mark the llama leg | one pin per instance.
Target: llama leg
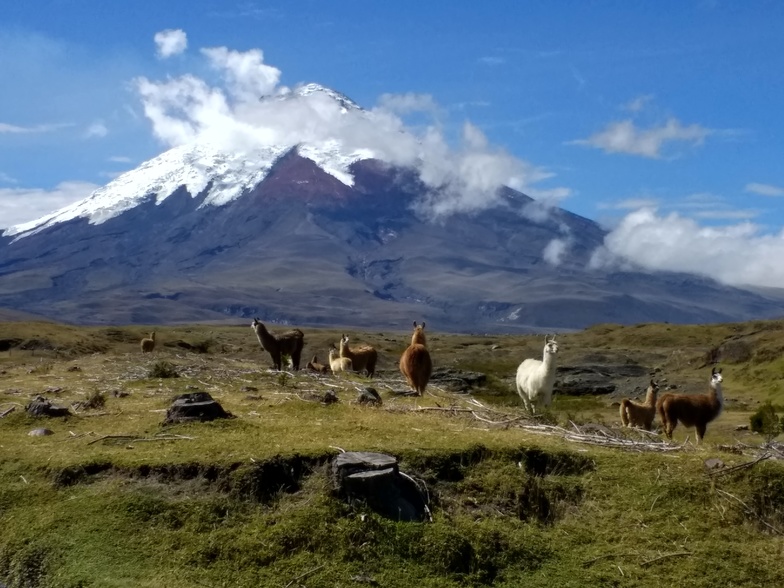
(276, 360)
(700, 431)
(295, 358)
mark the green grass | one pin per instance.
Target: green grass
(248, 502)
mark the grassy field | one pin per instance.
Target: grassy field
(114, 498)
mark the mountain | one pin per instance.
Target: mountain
(310, 235)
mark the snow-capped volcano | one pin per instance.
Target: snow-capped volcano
(304, 208)
(220, 175)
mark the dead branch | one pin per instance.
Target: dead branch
(308, 573)
(665, 556)
(749, 510)
(743, 466)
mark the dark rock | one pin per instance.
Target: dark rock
(594, 378)
(249, 389)
(7, 344)
(197, 406)
(458, 380)
(375, 480)
(74, 368)
(331, 398)
(369, 396)
(41, 407)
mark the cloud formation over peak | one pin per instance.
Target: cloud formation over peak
(249, 109)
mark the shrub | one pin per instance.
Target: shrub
(163, 369)
(766, 422)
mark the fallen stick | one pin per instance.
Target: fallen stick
(665, 556)
(308, 573)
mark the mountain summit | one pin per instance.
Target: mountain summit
(329, 232)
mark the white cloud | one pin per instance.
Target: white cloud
(407, 103)
(170, 42)
(555, 250)
(639, 103)
(120, 159)
(96, 129)
(764, 189)
(625, 137)
(629, 204)
(739, 254)
(249, 109)
(6, 179)
(20, 205)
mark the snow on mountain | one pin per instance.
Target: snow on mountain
(225, 175)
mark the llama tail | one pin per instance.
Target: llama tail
(625, 412)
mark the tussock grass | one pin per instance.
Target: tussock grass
(104, 501)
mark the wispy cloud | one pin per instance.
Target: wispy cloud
(625, 137)
(171, 42)
(96, 129)
(492, 61)
(739, 254)
(764, 189)
(19, 205)
(638, 104)
(629, 204)
(408, 103)
(6, 179)
(120, 159)
(42, 128)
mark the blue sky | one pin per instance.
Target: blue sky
(663, 120)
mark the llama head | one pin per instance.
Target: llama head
(344, 339)
(419, 334)
(550, 346)
(716, 377)
(333, 352)
(255, 323)
(653, 387)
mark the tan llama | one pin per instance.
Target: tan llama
(148, 343)
(636, 414)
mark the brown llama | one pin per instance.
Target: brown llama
(415, 363)
(314, 365)
(148, 343)
(337, 363)
(362, 358)
(694, 410)
(288, 343)
(635, 414)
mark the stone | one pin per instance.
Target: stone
(369, 396)
(458, 380)
(374, 479)
(40, 432)
(41, 407)
(196, 406)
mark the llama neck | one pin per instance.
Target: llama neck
(716, 394)
(650, 397)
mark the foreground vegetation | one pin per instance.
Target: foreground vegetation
(115, 498)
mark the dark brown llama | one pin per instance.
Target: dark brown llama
(694, 410)
(288, 343)
(415, 363)
(362, 358)
(635, 414)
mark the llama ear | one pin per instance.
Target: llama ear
(423, 324)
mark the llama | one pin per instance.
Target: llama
(314, 365)
(415, 363)
(148, 343)
(635, 414)
(337, 363)
(535, 378)
(288, 343)
(694, 410)
(362, 358)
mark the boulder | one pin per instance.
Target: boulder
(373, 479)
(458, 380)
(594, 378)
(41, 407)
(196, 406)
